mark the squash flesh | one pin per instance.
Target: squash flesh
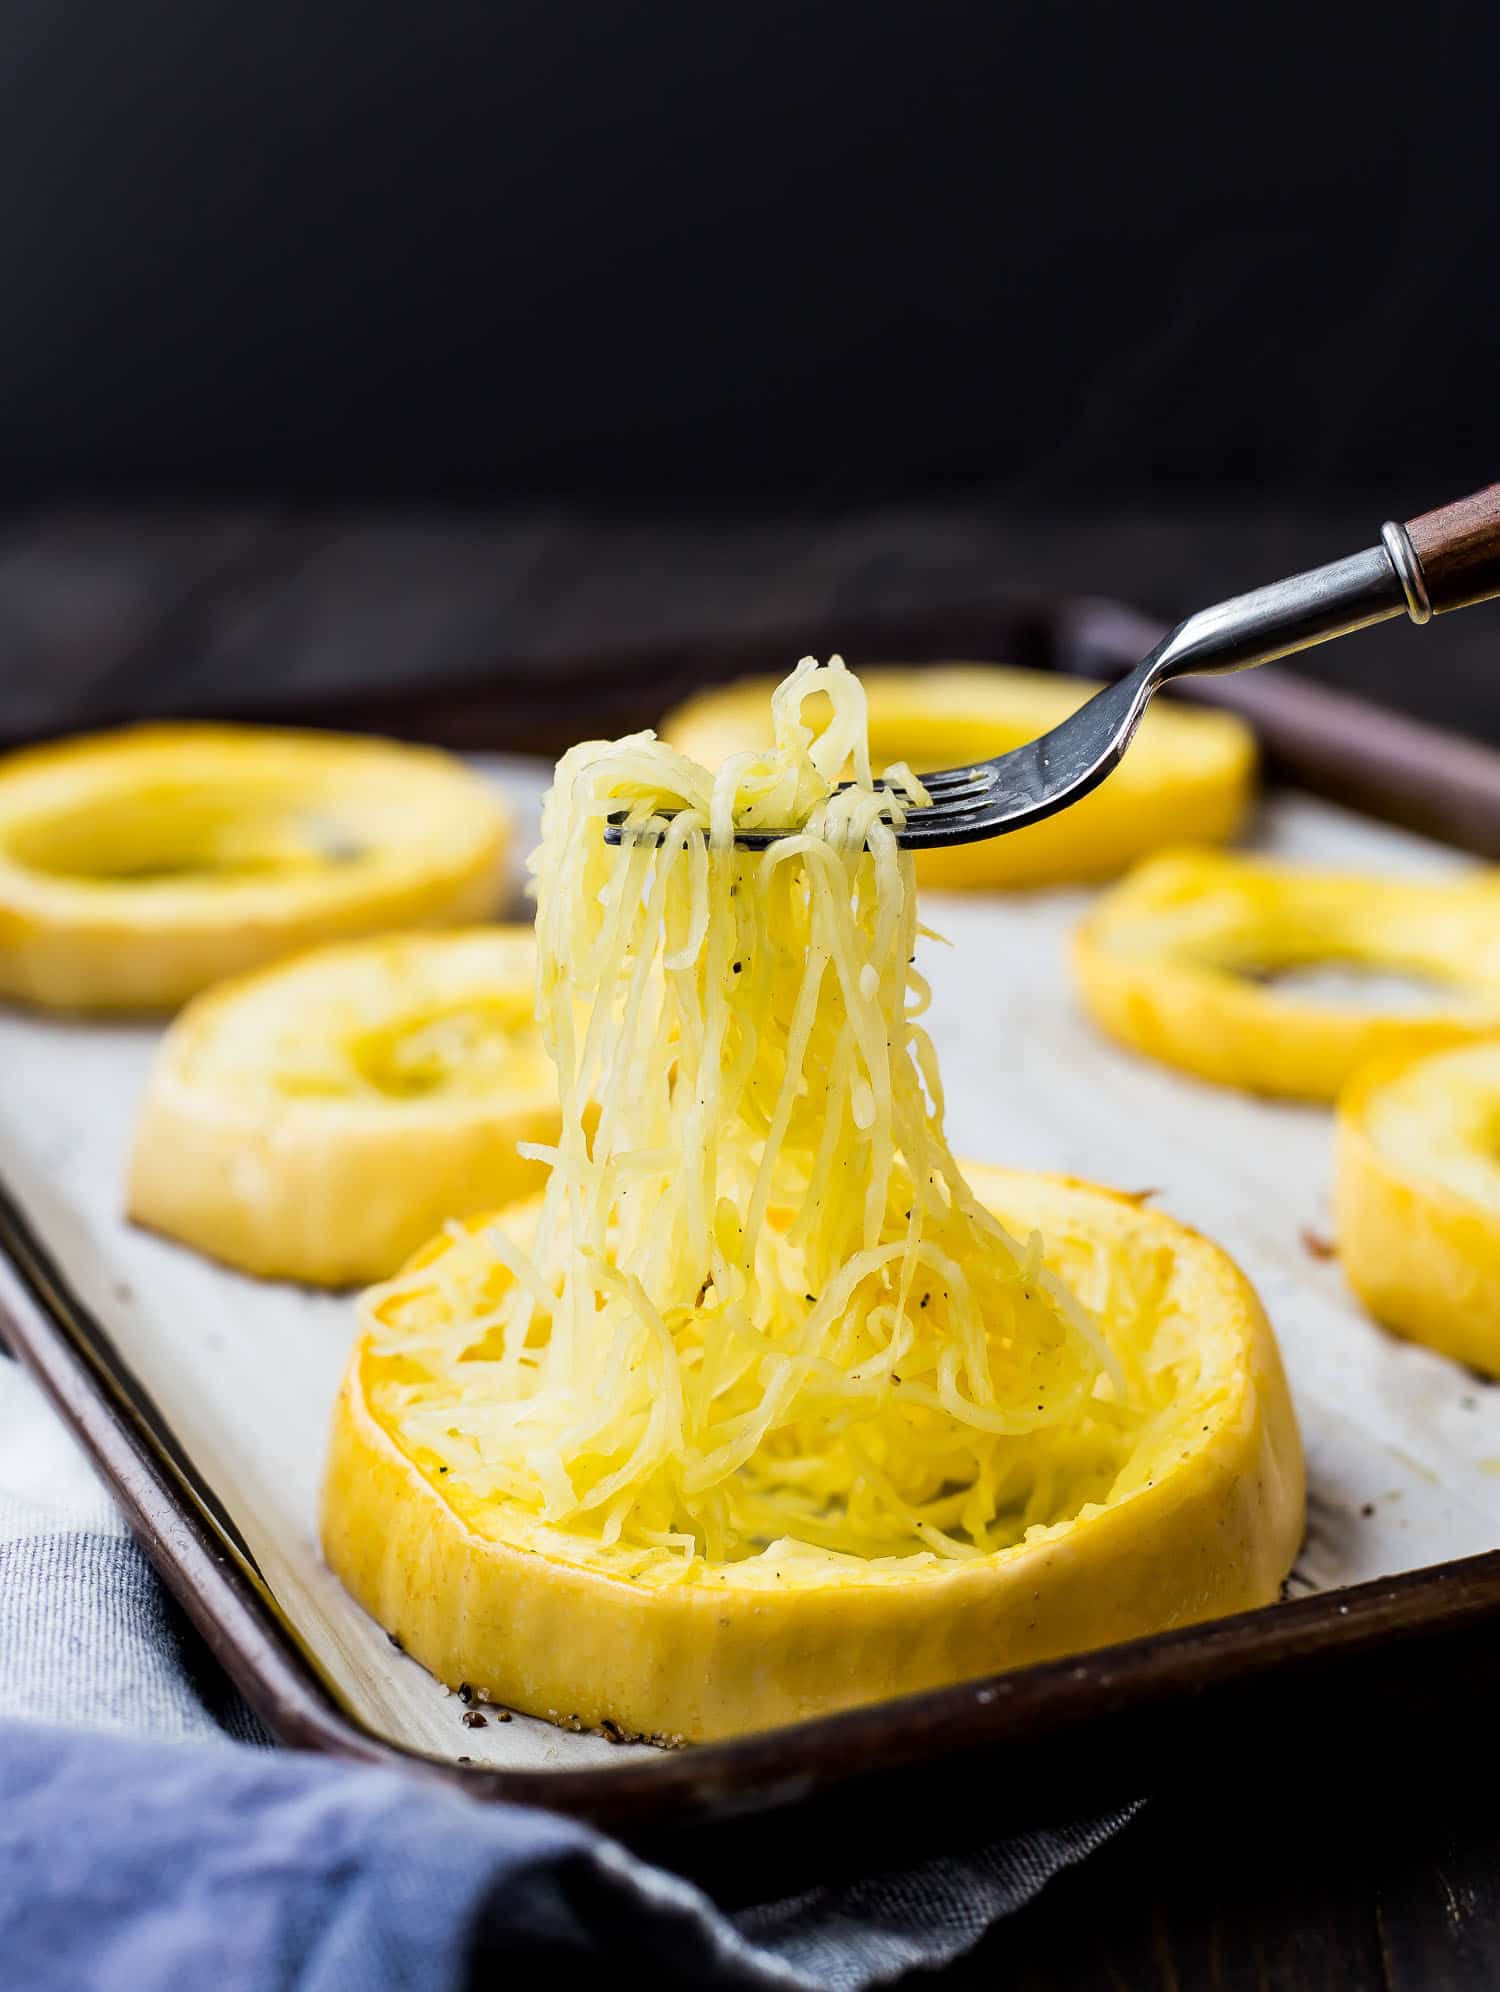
(1205, 1518)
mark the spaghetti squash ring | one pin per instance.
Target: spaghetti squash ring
(1417, 1198)
(1189, 775)
(1204, 1517)
(320, 1119)
(1194, 960)
(138, 867)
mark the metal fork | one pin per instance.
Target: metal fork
(1446, 559)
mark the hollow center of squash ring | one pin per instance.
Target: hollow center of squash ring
(1354, 985)
(481, 1045)
(173, 831)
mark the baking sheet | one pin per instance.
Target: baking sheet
(1403, 1447)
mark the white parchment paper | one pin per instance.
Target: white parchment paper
(1403, 1447)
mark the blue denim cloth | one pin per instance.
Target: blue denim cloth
(151, 1841)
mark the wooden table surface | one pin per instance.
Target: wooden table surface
(1380, 1871)
(109, 614)
(1369, 1854)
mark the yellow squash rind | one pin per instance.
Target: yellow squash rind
(1172, 962)
(1417, 1198)
(138, 867)
(1210, 1530)
(262, 1142)
(1189, 774)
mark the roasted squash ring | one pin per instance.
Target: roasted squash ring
(1181, 961)
(1204, 1520)
(320, 1119)
(1417, 1198)
(138, 867)
(1189, 774)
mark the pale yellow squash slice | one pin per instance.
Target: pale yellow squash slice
(1417, 1198)
(1204, 1518)
(138, 867)
(320, 1119)
(1189, 775)
(1200, 959)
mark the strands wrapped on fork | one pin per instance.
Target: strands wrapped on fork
(760, 1316)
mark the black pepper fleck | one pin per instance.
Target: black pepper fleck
(472, 1719)
(465, 1693)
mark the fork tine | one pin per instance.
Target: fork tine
(960, 828)
(957, 797)
(941, 779)
(944, 779)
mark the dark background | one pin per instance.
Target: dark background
(472, 342)
(788, 252)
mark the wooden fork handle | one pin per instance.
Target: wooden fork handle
(1458, 550)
